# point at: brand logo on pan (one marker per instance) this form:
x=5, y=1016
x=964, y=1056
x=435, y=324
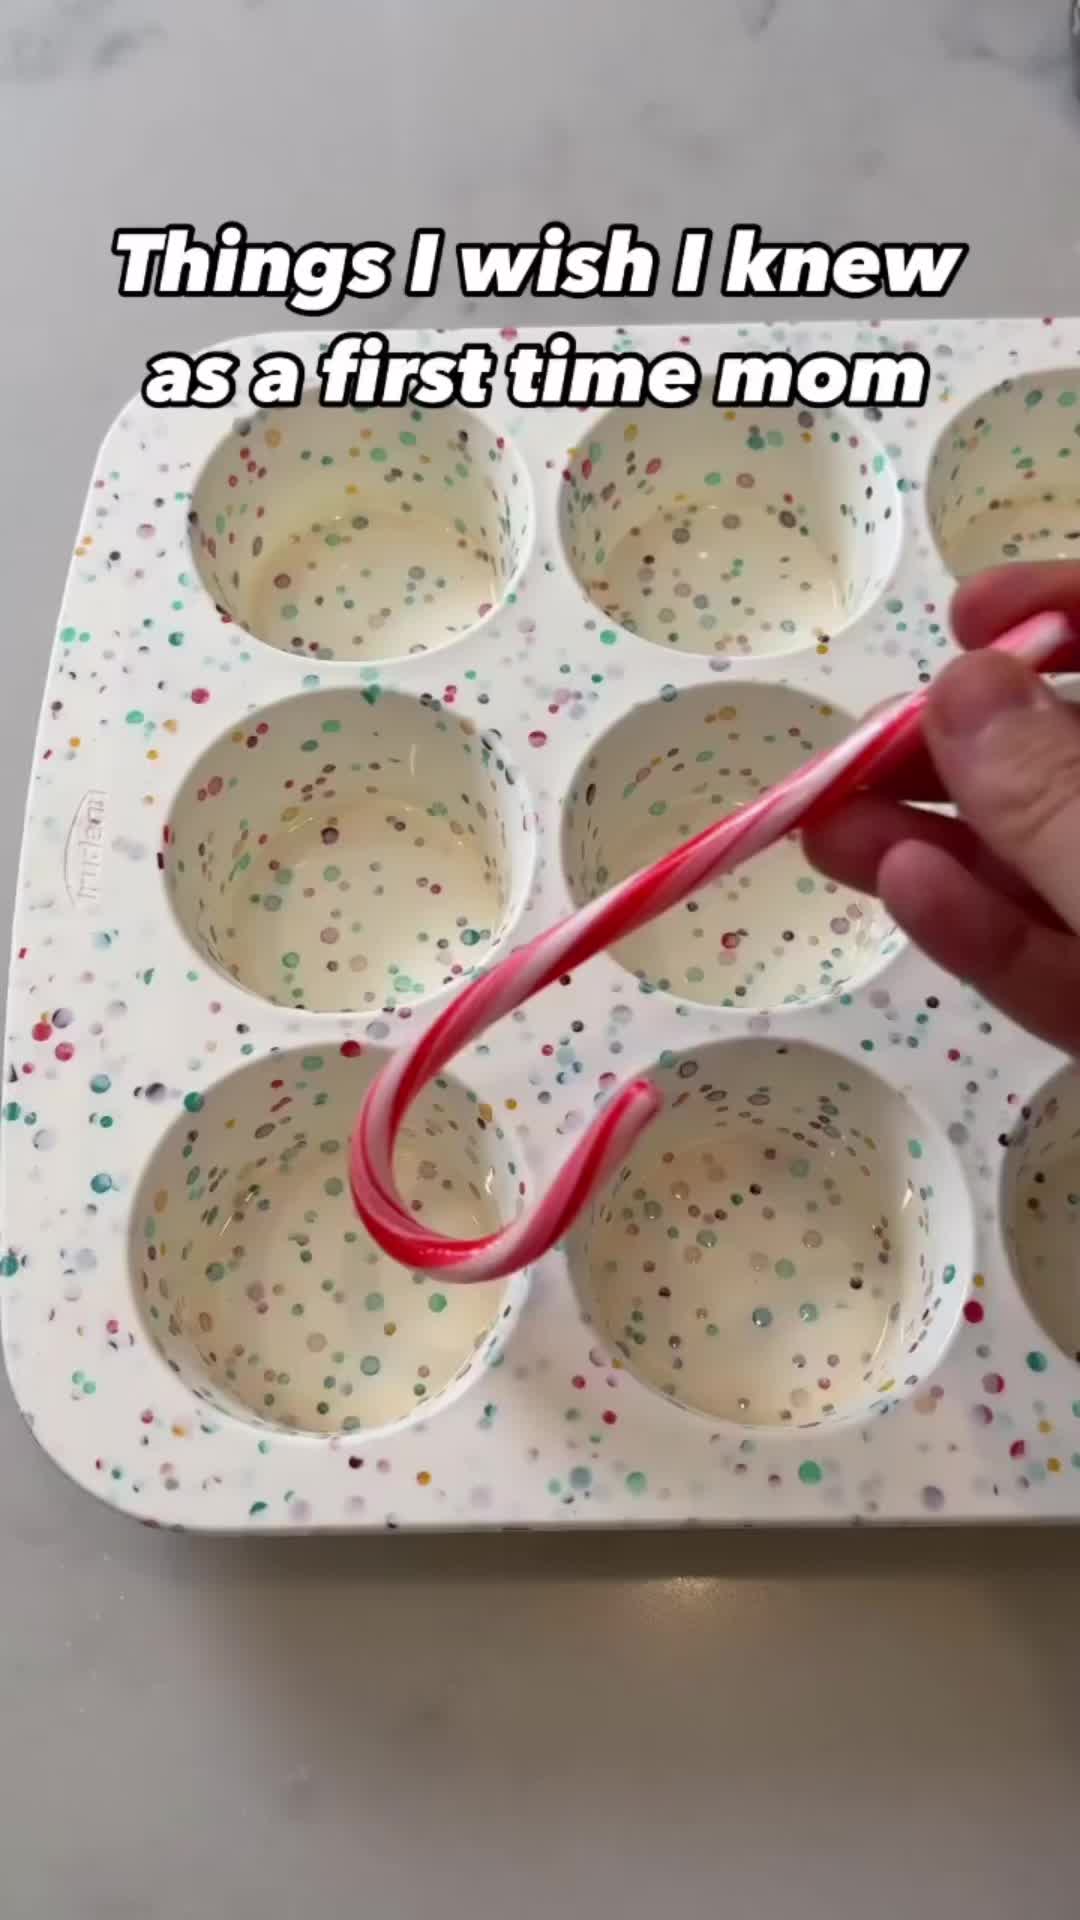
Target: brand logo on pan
x=86, y=850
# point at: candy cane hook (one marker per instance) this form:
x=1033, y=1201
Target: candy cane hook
x=878, y=746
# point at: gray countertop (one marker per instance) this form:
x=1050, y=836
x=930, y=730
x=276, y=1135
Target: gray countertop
x=745, y=1723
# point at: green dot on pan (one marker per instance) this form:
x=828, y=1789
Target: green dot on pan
x=810, y=1473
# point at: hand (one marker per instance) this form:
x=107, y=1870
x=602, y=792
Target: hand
x=994, y=895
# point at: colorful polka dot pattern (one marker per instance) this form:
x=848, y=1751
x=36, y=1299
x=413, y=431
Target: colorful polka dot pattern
x=772, y=934
x=257, y=1283
x=349, y=850
x=339, y=708
x=359, y=534
x=731, y=532
x=775, y=1253
x=1004, y=483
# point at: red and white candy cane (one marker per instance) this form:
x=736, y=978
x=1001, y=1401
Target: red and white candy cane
x=875, y=748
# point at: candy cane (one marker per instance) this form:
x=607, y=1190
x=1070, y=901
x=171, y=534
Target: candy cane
x=878, y=746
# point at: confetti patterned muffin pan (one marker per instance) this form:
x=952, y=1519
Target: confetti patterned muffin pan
x=343, y=705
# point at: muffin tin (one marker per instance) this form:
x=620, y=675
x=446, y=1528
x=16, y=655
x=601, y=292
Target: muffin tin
x=345, y=704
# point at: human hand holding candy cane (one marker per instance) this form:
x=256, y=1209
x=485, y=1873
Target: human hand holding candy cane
x=1010, y=617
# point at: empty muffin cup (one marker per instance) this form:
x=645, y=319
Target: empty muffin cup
x=255, y=1279
x=772, y=933
x=360, y=533
x=1041, y=1209
x=349, y=850
x=735, y=531
x=1004, y=480
x=789, y=1244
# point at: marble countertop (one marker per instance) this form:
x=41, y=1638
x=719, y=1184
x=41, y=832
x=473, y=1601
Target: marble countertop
x=739, y=1722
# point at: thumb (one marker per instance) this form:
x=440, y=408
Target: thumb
x=1008, y=751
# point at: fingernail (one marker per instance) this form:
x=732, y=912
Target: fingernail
x=974, y=692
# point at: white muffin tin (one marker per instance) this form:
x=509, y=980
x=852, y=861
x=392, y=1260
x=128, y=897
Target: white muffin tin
x=345, y=703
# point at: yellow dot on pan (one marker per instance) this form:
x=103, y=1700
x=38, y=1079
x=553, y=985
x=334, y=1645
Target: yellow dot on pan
x=75, y=741
x=979, y=1280
x=423, y=1479
x=153, y=754
x=511, y=1106
x=1046, y=1426
x=630, y=433
x=272, y=436
x=1053, y=1465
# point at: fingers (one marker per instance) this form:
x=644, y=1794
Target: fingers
x=1031, y=972
x=850, y=845
x=1008, y=752
x=987, y=605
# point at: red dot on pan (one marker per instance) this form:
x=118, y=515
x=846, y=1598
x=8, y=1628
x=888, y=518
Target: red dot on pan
x=974, y=1312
